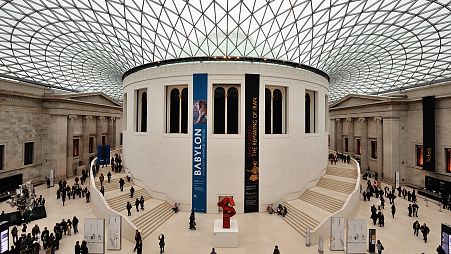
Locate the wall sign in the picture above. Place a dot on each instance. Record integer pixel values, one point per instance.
(95, 235)
(113, 225)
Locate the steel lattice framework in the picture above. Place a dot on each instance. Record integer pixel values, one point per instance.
(366, 46)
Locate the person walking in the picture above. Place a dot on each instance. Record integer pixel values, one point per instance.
(77, 247)
(141, 202)
(109, 176)
(425, 230)
(213, 251)
(88, 195)
(47, 180)
(129, 208)
(276, 250)
(379, 247)
(102, 190)
(121, 184)
(410, 210)
(75, 224)
(137, 205)
(440, 250)
(101, 178)
(161, 243)
(415, 208)
(132, 190)
(138, 247)
(393, 210)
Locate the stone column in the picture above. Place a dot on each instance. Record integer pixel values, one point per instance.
(339, 135)
(99, 121)
(110, 132)
(115, 134)
(70, 148)
(85, 140)
(332, 133)
(350, 136)
(364, 143)
(379, 146)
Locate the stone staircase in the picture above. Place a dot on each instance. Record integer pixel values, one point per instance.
(156, 211)
(321, 201)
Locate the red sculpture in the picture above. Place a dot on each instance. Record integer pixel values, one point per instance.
(227, 210)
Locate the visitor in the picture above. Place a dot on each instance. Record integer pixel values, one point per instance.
(410, 210)
(109, 176)
(84, 247)
(101, 178)
(132, 190)
(121, 184)
(137, 205)
(276, 250)
(75, 224)
(77, 248)
(138, 247)
(425, 230)
(393, 210)
(129, 208)
(379, 247)
(175, 208)
(102, 190)
(213, 251)
(440, 250)
(192, 221)
(284, 211)
(88, 195)
(415, 208)
(141, 202)
(47, 180)
(416, 228)
(161, 243)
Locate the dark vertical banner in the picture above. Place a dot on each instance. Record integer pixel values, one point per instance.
(199, 191)
(429, 133)
(251, 162)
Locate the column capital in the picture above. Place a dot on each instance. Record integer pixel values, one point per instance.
(362, 119)
(72, 116)
(101, 118)
(337, 120)
(349, 119)
(112, 118)
(378, 119)
(88, 117)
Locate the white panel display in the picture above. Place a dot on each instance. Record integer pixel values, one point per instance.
(113, 225)
(95, 235)
(337, 233)
(356, 242)
(4, 247)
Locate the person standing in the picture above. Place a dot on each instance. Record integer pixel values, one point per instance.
(137, 205)
(132, 190)
(102, 190)
(393, 210)
(276, 250)
(14, 233)
(141, 202)
(379, 247)
(213, 251)
(139, 247)
(440, 250)
(77, 247)
(129, 208)
(415, 208)
(161, 243)
(410, 210)
(425, 230)
(109, 175)
(88, 195)
(121, 184)
(101, 178)
(47, 180)
(84, 247)
(416, 228)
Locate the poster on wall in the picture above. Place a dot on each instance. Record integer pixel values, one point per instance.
(429, 133)
(4, 237)
(95, 235)
(103, 155)
(337, 233)
(446, 238)
(397, 179)
(199, 184)
(251, 149)
(357, 236)
(113, 225)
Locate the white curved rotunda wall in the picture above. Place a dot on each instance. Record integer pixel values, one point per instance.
(163, 161)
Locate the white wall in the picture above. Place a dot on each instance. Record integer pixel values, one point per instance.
(163, 161)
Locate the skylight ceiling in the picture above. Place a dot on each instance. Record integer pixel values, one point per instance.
(365, 46)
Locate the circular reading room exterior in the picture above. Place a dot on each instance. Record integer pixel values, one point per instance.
(200, 129)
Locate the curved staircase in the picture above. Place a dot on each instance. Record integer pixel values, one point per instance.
(155, 212)
(321, 201)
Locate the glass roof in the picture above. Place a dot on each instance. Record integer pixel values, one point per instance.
(365, 46)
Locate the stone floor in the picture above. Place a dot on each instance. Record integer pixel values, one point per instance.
(258, 232)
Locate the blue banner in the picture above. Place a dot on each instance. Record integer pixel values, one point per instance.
(103, 155)
(199, 192)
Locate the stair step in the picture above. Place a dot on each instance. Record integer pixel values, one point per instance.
(336, 185)
(157, 223)
(322, 201)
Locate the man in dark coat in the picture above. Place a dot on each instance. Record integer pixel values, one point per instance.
(425, 230)
(121, 184)
(77, 248)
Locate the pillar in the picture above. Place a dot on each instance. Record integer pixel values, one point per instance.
(99, 121)
(85, 140)
(70, 148)
(364, 143)
(379, 146)
(114, 134)
(339, 135)
(350, 136)
(110, 132)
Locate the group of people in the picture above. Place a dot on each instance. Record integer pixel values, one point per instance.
(65, 192)
(333, 158)
(139, 202)
(116, 163)
(30, 243)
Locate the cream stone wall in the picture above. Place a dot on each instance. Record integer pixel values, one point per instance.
(402, 123)
(162, 161)
(33, 113)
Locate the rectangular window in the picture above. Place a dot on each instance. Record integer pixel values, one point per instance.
(310, 111)
(177, 109)
(448, 160)
(359, 147)
(76, 147)
(374, 149)
(275, 110)
(91, 144)
(124, 106)
(141, 110)
(2, 157)
(419, 155)
(346, 145)
(28, 153)
(121, 136)
(103, 140)
(226, 108)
